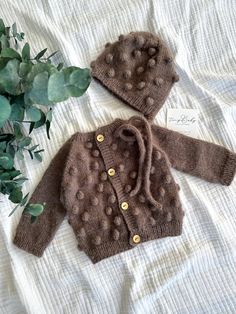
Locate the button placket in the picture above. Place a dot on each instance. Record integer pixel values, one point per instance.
(113, 174)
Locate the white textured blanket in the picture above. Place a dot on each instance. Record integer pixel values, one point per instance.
(192, 273)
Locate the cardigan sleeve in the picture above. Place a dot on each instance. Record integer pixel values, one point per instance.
(35, 237)
(206, 160)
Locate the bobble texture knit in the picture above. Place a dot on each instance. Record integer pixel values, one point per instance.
(139, 69)
(116, 188)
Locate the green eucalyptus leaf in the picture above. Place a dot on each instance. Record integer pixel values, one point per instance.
(57, 91)
(34, 209)
(39, 92)
(10, 53)
(16, 43)
(48, 124)
(74, 91)
(14, 173)
(24, 69)
(49, 115)
(5, 176)
(26, 52)
(31, 127)
(17, 130)
(22, 35)
(24, 200)
(17, 113)
(2, 26)
(14, 209)
(68, 71)
(31, 155)
(11, 150)
(7, 31)
(5, 110)
(21, 180)
(6, 161)
(14, 29)
(18, 36)
(9, 186)
(3, 188)
(9, 78)
(33, 147)
(40, 54)
(80, 78)
(6, 137)
(27, 100)
(16, 195)
(41, 121)
(19, 155)
(4, 41)
(3, 146)
(70, 82)
(53, 54)
(38, 156)
(3, 62)
(60, 66)
(19, 99)
(39, 151)
(39, 68)
(25, 142)
(34, 114)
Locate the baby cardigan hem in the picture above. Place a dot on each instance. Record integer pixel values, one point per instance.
(96, 254)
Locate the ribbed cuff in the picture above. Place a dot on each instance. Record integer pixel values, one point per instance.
(23, 243)
(229, 169)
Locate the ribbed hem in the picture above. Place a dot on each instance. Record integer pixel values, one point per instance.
(109, 249)
(24, 244)
(137, 102)
(229, 169)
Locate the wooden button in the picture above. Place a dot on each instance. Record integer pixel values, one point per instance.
(111, 172)
(100, 138)
(136, 238)
(124, 205)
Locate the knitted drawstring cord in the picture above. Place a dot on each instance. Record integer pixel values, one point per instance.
(145, 154)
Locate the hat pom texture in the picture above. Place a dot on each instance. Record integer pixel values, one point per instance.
(139, 69)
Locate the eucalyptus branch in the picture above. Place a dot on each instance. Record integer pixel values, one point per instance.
(26, 82)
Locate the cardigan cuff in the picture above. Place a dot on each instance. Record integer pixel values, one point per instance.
(229, 169)
(22, 242)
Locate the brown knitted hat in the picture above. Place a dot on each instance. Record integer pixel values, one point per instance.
(137, 68)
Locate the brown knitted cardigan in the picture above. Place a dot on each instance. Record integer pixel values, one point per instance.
(116, 188)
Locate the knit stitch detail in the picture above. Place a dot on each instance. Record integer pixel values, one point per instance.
(116, 187)
(229, 169)
(139, 70)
